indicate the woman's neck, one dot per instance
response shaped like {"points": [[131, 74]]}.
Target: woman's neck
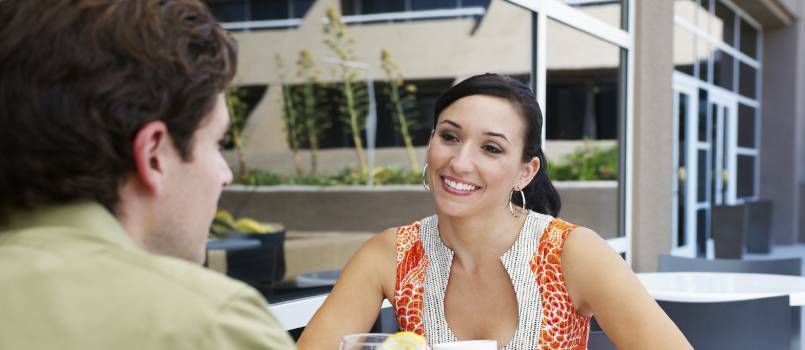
{"points": [[480, 237]]}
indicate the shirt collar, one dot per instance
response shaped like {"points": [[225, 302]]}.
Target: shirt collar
{"points": [[88, 218]]}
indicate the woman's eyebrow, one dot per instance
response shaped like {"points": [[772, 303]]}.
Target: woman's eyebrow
{"points": [[495, 134], [454, 124]]}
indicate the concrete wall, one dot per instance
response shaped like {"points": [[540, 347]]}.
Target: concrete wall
{"points": [[781, 135], [652, 178], [364, 209]]}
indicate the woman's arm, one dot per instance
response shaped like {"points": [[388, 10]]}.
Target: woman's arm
{"points": [[600, 282], [354, 304]]}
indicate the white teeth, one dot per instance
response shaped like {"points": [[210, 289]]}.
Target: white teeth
{"points": [[459, 186]]}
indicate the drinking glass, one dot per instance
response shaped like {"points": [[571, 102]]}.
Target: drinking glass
{"points": [[367, 341]]}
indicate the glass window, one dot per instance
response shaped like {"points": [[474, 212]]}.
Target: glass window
{"points": [[704, 14], [584, 110], [746, 176], [684, 50], [702, 159], [268, 10], [704, 120], [582, 85], [723, 64], [747, 81], [229, 10], [749, 37], [381, 6], [724, 23], [608, 11], [475, 3], [418, 5], [703, 58], [746, 126], [299, 8], [686, 9]]}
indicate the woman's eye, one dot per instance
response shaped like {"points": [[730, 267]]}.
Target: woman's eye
{"points": [[492, 149], [449, 137]]}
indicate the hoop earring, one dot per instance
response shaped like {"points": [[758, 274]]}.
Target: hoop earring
{"points": [[511, 206], [425, 177]]}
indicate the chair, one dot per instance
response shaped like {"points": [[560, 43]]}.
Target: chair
{"points": [[764, 323], [758, 226], [598, 340], [728, 227], [790, 266]]}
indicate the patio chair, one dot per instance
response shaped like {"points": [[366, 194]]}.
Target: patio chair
{"points": [[789, 266], [758, 226], [736, 325], [599, 340], [728, 226]]}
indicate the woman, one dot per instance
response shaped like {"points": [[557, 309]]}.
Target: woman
{"points": [[485, 267]]}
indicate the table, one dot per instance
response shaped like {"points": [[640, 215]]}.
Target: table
{"points": [[727, 286], [722, 286], [297, 313]]}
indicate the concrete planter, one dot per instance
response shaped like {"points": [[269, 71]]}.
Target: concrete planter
{"points": [[372, 209]]}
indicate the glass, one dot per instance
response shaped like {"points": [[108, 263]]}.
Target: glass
{"points": [[746, 126], [703, 15], [685, 9], [684, 50], [747, 81], [703, 159], [723, 74], [746, 176], [703, 54], [418, 5], [584, 112], [611, 12], [724, 23], [366, 341], [748, 39]]}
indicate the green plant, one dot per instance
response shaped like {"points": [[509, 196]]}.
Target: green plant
{"points": [[346, 176], [237, 116], [290, 115], [587, 163], [353, 93], [310, 115], [402, 101]]}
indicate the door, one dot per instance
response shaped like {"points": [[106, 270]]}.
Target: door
{"points": [[683, 241]]}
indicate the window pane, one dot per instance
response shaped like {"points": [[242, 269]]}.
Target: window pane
{"points": [[702, 226], [682, 122], [583, 112], [723, 64], [748, 81], [685, 9], [748, 39], [684, 54], [746, 126], [607, 11], [381, 6], [475, 3], [723, 25], [582, 86], [229, 10], [746, 176], [267, 10], [703, 59], [418, 5], [704, 121], [300, 8], [702, 158], [703, 15]]}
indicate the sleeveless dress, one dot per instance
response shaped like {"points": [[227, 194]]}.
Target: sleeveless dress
{"points": [[547, 319]]}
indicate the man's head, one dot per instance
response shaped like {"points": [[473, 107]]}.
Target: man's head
{"points": [[117, 101]]}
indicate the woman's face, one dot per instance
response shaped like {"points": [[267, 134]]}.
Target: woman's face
{"points": [[475, 156]]}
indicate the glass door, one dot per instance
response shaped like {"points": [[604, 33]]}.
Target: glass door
{"points": [[686, 100]]}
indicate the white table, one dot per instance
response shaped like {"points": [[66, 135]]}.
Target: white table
{"points": [[297, 313], [724, 286]]}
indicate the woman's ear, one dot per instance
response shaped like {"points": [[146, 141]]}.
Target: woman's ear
{"points": [[527, 172]]}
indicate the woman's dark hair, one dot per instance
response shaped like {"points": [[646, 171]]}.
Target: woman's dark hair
{"points": [[540, 194], [80, 78]]}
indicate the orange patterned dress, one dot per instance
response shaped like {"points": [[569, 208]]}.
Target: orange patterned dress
{"points": [[547, 319]]}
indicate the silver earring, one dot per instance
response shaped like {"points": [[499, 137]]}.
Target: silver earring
{"points": [[425, 177], [511, 206]]}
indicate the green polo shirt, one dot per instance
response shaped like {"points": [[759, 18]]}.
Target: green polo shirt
{"points": [[70, 278]]}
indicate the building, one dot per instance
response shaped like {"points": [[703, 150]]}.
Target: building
{"points": [[703, 100]]}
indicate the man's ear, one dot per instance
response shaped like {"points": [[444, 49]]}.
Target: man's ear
{"points": [[528, 171], [150, 145]]}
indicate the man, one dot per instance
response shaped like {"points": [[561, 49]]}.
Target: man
{"points": [[111, 112]]}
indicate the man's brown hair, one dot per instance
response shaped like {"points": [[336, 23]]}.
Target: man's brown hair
{"points": [[79, 78]]}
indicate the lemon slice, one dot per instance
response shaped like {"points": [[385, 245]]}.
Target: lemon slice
{"points": [[404, 341]]}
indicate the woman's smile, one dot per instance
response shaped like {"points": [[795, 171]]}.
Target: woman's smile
{"points": [[458, 187]]}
